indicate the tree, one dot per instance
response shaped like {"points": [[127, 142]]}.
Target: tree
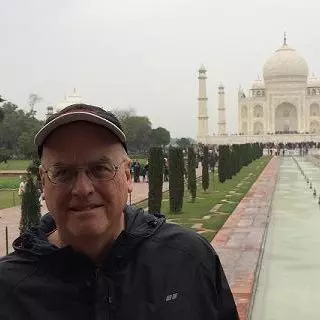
{"points": [[222, 163], [140, 135], [184, 143], [138, 131], [17, 131], [205, 169], [176, 179], [155, 179], [212, 163], [4, 155], [33, 100], [33, 167], [160, 137], [30, 206], [192, 176], [124, 114], [25, 146], [1, 115]]}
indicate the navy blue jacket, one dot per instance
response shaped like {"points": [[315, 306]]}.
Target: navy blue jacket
{"points": [[154, 271]]}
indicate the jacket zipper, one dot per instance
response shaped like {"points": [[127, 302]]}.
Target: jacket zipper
{"points": [[108, 298]]}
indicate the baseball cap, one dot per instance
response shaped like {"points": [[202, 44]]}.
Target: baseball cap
{"points": [[80, 112]]}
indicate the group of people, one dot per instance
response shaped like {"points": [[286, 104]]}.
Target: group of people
{"points": [[95, 257], [138, 170]]}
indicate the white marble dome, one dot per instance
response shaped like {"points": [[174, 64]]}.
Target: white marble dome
{"points": [[285, 64]]}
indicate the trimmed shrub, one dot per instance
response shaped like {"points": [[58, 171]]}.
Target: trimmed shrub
{"points": [[205, 169], [30, 206], [223, 163], [192, 176], [176, 179], [155, 178]]}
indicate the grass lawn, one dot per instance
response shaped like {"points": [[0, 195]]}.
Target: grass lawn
{"points": [[9, 182], [15, 165], [227, 195], [9, 199]]}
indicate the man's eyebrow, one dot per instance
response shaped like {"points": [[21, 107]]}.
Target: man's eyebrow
{"points": [[57, 164], [100, 159], [104, 158]]}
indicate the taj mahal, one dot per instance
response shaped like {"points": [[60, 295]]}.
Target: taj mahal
{"points": [[284, 106]]}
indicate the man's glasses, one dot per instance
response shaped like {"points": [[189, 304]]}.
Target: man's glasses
{"points": [[99, 171]]}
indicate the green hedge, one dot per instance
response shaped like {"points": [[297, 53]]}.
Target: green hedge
{"points": [[155, 179], [176, 179]]}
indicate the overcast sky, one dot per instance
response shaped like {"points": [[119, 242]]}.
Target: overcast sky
{"points": [[145, 54]]}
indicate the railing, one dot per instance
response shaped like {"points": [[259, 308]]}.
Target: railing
{"points": [[7, 241]]}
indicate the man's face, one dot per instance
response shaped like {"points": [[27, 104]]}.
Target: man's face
{"points": [[85, 207]]}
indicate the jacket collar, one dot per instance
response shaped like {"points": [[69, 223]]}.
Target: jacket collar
{"points": [[138, 226]]}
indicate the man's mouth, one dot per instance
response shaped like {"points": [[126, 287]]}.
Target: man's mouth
{"points": [[85, 208]]}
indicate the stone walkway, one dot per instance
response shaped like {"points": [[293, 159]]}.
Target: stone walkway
{"points": [[289, 280], [239, 242]]}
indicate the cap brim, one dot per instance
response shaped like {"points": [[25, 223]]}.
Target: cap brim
{"points": [[74, 116]]}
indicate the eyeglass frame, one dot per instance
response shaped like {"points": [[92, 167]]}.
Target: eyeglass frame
{"points": [[116, 168]]}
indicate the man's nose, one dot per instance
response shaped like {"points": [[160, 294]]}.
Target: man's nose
{"points": [[82, 184]]}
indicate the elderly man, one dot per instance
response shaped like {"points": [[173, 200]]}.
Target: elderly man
{"points": [[94, 257]]}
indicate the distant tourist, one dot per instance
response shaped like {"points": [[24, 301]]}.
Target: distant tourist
{"points": [[22, 186], [40, 192], [145, 170]]}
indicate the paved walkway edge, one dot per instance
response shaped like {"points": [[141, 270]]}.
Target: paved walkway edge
{"points": [[241, 240]]}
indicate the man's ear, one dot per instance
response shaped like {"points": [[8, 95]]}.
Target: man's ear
{"points": [[129, 177], [42, 175]]}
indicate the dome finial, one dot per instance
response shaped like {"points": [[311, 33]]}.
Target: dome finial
{"points": [[285, 39]]}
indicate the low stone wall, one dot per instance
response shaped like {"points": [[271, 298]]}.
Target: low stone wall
{"points": [[240, 242]]}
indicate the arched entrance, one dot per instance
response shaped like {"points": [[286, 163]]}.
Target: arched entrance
{"points": [[258, 111], [258, 128], [314, 110], [244, 127], [315, 127], [244, 112], [286, 119]]}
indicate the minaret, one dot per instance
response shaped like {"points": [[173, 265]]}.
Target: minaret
{"points": [[285, 39], [202, 102], [49, 112], [221, 112]]}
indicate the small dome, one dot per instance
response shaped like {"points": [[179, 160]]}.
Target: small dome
{"points": [[258, 84], [285, 63], [202, 68], [69, 100], [314, 82]]}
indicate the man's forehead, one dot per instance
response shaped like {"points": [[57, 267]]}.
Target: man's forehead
{"points": [[53, 156]]}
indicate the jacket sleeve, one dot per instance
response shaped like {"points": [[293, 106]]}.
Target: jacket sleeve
{"points": [[213, 294]]}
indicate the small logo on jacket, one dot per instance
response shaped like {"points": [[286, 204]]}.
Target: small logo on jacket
{"points": [[171, 297]]}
